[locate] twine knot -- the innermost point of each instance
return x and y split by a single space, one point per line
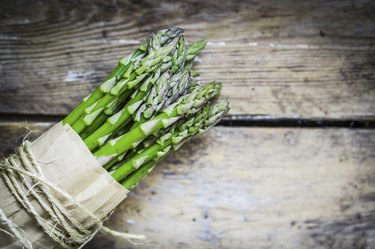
21 169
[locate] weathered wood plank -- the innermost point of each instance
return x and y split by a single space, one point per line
13 133
252 188
281 58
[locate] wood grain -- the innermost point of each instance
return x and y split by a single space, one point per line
309 59
251 188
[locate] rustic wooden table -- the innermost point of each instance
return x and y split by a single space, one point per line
292 165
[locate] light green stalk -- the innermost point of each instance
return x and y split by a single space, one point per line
159 98
122 117
163 36
188 104
159 92
179 56
130 182
193 50
133 170
99 92
140 71
162 145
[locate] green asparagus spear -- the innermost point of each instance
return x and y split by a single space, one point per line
100 92
164 36
159 98
188 104
193 50
122 117
160 92
146 67
130 182
163 144
133 170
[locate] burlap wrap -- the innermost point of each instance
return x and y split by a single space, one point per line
66 187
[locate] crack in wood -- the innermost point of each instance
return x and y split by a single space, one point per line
232 121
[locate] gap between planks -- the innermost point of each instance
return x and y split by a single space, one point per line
231 121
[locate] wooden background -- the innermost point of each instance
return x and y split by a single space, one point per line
292 165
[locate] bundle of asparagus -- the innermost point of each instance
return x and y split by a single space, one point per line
147 107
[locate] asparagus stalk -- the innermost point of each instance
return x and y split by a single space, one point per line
177 87
193 50
188 104
113 164
130 182
122 117
162 145
159 98
179 55
160 95
164 36
100 92
133 170
146 67
147 107
110 109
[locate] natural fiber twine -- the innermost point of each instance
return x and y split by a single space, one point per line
21 169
